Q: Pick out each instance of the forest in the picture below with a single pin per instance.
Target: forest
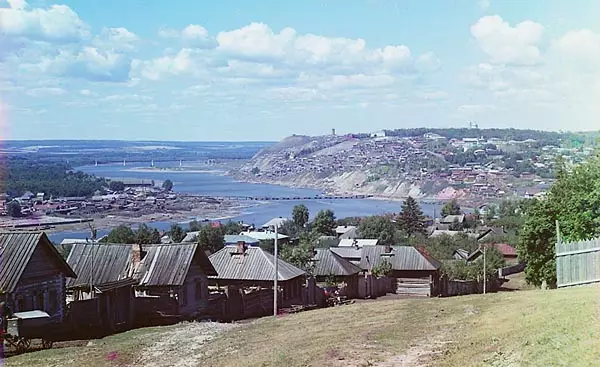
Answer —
(22, 174)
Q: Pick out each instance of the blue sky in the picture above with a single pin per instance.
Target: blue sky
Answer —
(263, 70)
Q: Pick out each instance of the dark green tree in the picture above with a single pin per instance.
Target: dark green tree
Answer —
(324, 223)
(195, 226)
(267, 245)
(300, 215)
(167, 185)
(411, 219)
(291, 229)
(121, 234)
(13, 209)
(451, 208)
(232, 228)
(146, 236)
(116, 185)
(176, 233)
(299, 256)
(377, 227)
(211, 239)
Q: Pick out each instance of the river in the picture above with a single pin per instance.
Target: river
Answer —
(215, 183)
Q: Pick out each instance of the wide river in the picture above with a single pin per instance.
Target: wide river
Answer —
(216, 184)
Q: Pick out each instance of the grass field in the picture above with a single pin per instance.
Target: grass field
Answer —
(526, 328)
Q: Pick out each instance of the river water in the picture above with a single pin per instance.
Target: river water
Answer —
(211, 181)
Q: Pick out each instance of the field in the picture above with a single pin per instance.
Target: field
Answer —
(521, 328)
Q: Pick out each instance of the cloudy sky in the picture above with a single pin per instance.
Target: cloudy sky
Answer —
(263, 70)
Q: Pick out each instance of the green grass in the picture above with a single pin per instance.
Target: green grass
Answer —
(526, 328)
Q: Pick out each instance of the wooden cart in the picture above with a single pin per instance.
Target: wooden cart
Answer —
(23, 327)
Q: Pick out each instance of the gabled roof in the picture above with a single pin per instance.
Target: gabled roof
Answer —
(264, 235)
(190, 237)
(168, 265)
(401, 257)
(505, 249)
(16, 250)
(453, 218)
(343, 229)
(100, 263)
(328, 263)
(275, 221)
(234, 239)
(350, 234)
(254, 265)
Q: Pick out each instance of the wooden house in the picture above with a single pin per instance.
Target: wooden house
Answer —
(33, 274)
(330, 267)
(245, 267)
(415, 273)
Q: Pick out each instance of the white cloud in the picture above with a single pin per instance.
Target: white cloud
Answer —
(475, 109)
(126, 97)
(578, 49)
(428, 62)
(17, 4)
(192, 36)
(508, 45)
(58, 23)
(85, 92)
(433, 95)
(90, 64)
(182, 62)
(46, 92)
(357, 81)
(117, 39)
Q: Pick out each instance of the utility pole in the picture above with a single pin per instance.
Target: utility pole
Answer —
(484, 272)
(93, 237)
(275, 279)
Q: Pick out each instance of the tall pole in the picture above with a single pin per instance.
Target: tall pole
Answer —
(275, 292)
(484, 272)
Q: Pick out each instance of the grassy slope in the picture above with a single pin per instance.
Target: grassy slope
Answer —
(529, 328)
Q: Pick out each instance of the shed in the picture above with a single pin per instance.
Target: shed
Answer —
(243, 266)
(330, 266)
(33, 274)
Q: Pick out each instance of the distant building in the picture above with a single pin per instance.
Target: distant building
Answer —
(378, 134)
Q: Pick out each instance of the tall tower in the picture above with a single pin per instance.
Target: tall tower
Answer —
(333, 132)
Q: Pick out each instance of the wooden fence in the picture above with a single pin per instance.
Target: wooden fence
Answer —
(577, 263)
(513, 269)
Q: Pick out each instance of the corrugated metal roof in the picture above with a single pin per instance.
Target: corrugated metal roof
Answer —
(16, 249)
(343, 229)
(264, 235)
(254, 265)
(350, 234)
(168, 265)
(401, 257)
(234, 239)
(190, 237)
(107, 263)
(327, 263)
(275, 221)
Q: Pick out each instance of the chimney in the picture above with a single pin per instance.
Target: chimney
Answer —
(241, 247)
(136, 254)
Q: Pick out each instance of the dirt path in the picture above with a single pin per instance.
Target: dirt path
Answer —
(181, 347)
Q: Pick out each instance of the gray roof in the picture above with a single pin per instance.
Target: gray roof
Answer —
(452, 218)
(357, 242)
(343, 229)
(275, 221)
(234, 239)
(190, 237)
(401, 257)
(350, 234)
(440, 232)
(168, 265)
(328, 263)
(16, 249)
(254, 265)
(268, 235)
(106, 263)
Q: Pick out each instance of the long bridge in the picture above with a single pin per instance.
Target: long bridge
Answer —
(289, 198)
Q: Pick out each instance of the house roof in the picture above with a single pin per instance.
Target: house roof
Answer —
(505, 249)
(109, 264)
(343, 229)
(327, 263)
(275, 221)
(190, 237)
(254, 265)
(350, 234)
(168, 265)
(347, 242)
(452, 218)
(464, 254)
(234, 239)
(16, 249)
(264, 235)
(440, 232)
(401, 257)
(99, 264)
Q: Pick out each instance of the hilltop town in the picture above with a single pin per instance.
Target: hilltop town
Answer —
(471, 165)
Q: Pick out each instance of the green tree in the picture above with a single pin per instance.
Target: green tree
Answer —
(573, 200)
(121, 234)
(13, 209)
(411, 219)
(451, 208)
(378, 227)
(291, 229)
(176, 233)
(195, 226)
(146, 236)
(267, 245)
(232, 228)
(324, 223)
(300, 215)
(167, 185)
(299, 256)
(116, 185)
(382, 269)
(211, 239)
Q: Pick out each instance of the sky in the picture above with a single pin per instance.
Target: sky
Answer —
(262, 70)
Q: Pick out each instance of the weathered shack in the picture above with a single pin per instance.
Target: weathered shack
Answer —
(102, 297)
(330, 267)
(33, 274)
(242, 267)
(415, 273)
(178, 271)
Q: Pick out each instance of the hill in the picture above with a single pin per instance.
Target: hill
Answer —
(528, 328)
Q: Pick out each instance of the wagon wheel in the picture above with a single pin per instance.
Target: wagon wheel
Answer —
(46, 344)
